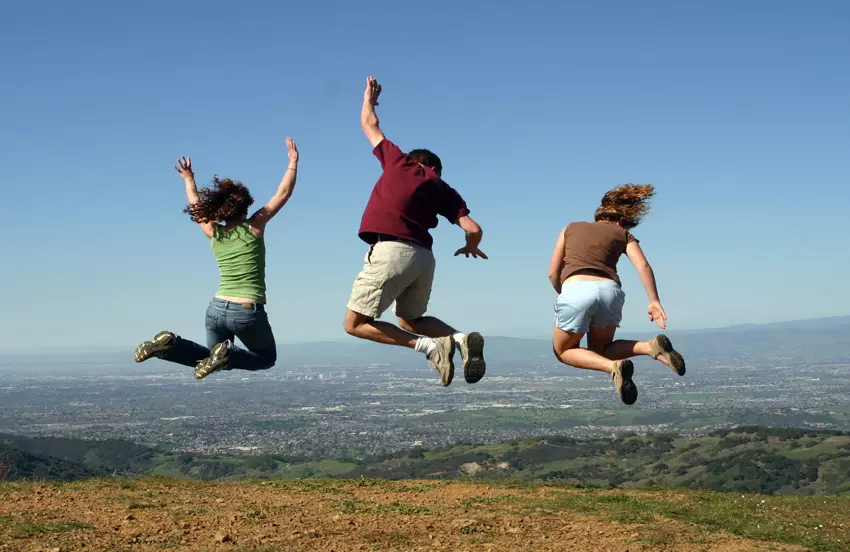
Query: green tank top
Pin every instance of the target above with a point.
(241, 260)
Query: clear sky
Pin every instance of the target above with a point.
(738, 113)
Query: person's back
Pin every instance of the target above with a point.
(408, 197)
(594, 249)
(241, 258)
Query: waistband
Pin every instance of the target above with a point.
(230, 305)
(593, 283)
(388, 238)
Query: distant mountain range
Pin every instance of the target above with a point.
(827, 339)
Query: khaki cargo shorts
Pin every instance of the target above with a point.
(397, 272)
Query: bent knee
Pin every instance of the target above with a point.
(407, 324)
(353, 321)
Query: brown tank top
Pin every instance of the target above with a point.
(595, 247)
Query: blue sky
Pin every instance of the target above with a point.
(738, 112)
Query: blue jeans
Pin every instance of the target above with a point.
(224, 322)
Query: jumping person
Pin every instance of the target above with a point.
(238, 309)
(399, 266)
(590, 301)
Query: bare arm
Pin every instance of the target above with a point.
(474, 234)
(184, 168)
(368, 118)
(557, 263)
(647, 278)
(259, 219)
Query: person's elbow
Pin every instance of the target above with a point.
(469, 226)
(643, 267)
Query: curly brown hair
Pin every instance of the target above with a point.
(626, 204)
(225, 201)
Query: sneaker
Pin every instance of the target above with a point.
(158, 346)
(440, 359)
(216, 361)
(662, 348)
(472, 352)
(622, 376)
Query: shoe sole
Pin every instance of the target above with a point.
(627, 390)
(152, 348)
(677, 361)
(474, 367)
(215, 362)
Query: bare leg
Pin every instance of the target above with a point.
(623, 348)
(370, 329)
(567, 350)
(427, 326)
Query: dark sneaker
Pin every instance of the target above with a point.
(158, 346)
(622, 376)
(472, 352)
(440, 359)
(217, 360)
(662, 348)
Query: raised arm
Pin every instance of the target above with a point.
(474, 234)
(557, 262)
(184, 168)
(262, 217)
(647, 278)
(368, 117)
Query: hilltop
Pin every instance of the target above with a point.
(367, 514)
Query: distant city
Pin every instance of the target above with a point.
(349, 400)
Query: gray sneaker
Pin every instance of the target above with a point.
(622, 376)
(472, 352)
(440, 359)
(158, 346)
(219, 356)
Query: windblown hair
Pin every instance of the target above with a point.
(626, 204)
(427, 158)
(226, 201)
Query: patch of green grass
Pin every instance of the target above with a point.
(29, 528)
(128, 485)
(132, 503)
(171, 542)
(347, 506)
(651, 541)
(371, 482)
(416, 488)
(350, 506)
(813, 522)
(255, 514)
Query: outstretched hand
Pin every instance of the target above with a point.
(467, 251)
(373, 90)
(184, 167)
(657, 314)
(292, 150)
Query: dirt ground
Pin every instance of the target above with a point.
(326, 516)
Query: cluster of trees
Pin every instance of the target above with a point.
(748, 459)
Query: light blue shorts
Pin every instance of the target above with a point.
(585, 305)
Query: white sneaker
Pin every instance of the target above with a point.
(440, 359)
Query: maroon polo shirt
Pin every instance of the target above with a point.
(407, 199)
